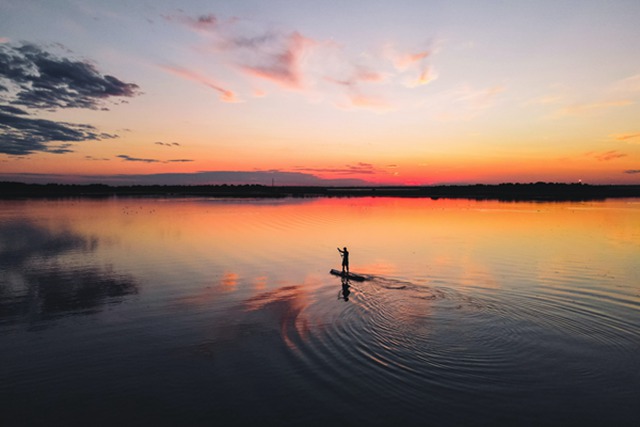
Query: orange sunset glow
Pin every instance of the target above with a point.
(362, 93)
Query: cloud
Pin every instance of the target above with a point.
(607, 155)
(33, 79)
(317, 69)
(628, 137)
(632, 171)
(367, 102)
(282, 66)
(44, 81)
(426, 76)
(137, 159)
(21, 135)
(142, 160)
(628, 85)
(357, 169)
(466, 103)
(261, 177)
(167, 144)
(226, 95)
(591, 108)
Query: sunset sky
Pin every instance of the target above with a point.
(310, 92)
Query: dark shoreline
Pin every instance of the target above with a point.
(508, 192)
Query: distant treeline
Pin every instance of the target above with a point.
(532, 191)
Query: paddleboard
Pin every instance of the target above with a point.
(350, 276)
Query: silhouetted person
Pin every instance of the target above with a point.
(345, 259)
(345, 289)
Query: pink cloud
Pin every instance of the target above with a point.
(226, 95)
(282, 67)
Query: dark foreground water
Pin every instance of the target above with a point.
(215, 312)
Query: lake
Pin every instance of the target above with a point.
(184, 311)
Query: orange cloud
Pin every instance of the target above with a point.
(403, 60)
(629, 137)
(373, 103)
(607, 155)
(226, 95)
(426, 76)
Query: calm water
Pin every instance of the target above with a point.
(222, 312)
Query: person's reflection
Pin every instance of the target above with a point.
(344, 294)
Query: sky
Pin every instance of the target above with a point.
(319, 93)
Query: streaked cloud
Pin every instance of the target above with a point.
(606, 155)
(21, 135)
(147, 160)
(359, 168)
(317, 69)
(261, 177)
(137, 159)
(284, 66)
(466, 102)
(592, 108)
(632, 171)
(226, 95)
(626, 137)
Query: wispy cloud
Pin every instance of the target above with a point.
(143, 160)
(412, 64)
(360, 168)
(628, 86)
(196, 178)
(626, 137)
(137, 159)
(466, 102)
(167, 144)
(284, 66)
(632, 171)
(317, 69)
(226, 95)
(606, 155)
(592, 108)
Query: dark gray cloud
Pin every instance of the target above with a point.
(137, 159)
(357, 169)
(21, 135)
(34, 79)
(196, 178)
(167, 144)
(632, 171)
(45, 81)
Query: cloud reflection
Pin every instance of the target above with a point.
(36, 284)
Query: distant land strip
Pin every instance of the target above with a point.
(533, 191)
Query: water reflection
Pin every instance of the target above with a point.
(344, 293)
(22, 241)
(513, 307)
(37, 283)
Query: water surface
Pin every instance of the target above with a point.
(209, 311)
